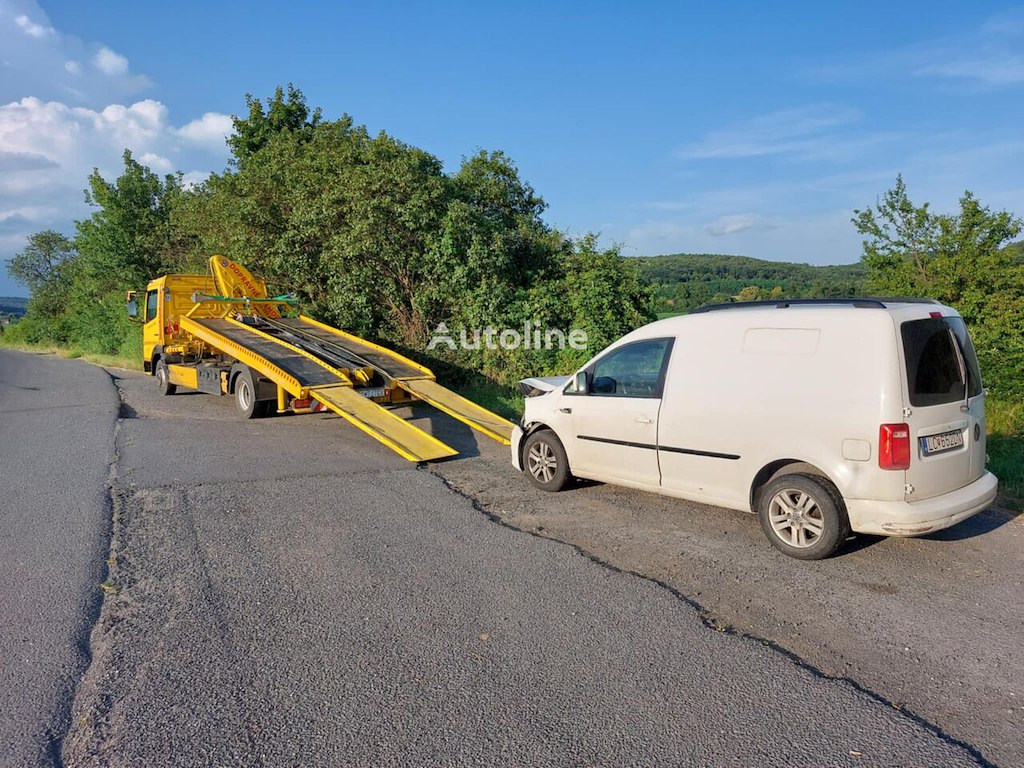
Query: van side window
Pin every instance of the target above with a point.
(939, 353)
(635, 370)
(151, 305)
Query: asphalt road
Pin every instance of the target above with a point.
(934, 625)
(57, 421)
(286, 592)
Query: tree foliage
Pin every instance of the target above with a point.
(962, 259)
(370, 232)
(283, 114)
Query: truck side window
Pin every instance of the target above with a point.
(151, 305)
(635, 370)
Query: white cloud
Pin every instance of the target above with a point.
(192, 179)
(110, 63)
(41, 61)
(792, 131)
(210, 130)
(737, 222)
(992, 68)
(48, 149)
(826, 237)
(32, 29)
(988, 55)
(155, 162)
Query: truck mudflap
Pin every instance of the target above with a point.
(403, 438)
(466, 411)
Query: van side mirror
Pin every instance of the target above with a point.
(133, 306)
(605, 385)
(581, 383)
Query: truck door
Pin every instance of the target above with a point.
(614, 426)
(152, 329)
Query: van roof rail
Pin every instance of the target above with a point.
(869, 302)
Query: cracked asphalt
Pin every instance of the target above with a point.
(287, 592)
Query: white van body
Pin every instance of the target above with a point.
(744, 393)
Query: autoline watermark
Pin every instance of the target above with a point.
(531, 336)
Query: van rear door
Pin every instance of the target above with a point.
(946, 406)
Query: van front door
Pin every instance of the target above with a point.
(615, 423)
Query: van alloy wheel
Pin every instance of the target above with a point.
(541, 462)
(803, 515)
(796, 518)
(545, 462)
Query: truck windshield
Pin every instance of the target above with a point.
(934, 349)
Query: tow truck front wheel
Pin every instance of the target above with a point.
(163, 379)
(245, 396)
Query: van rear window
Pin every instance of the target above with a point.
(941, 364)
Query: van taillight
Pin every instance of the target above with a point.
(894, 446)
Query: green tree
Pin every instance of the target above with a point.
(39, 264)
(960, 260)
(126, 242)
(283, 113)
(46, 268)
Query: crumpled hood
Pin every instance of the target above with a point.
(542, 385)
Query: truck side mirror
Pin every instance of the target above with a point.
(133, 306)
(581, 383)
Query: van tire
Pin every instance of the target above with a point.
(803, 516)
(163, 379)
(544, 461)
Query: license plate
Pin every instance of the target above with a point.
(371, 392)
(945, 441)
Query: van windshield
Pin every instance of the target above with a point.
(939, 355)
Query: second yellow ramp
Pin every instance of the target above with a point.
(466, 411)
(396, 433)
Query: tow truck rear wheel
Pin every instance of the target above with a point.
(245, 396)
(163, 379)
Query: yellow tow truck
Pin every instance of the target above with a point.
(222, 333)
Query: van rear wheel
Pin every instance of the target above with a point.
(545, 462)
(803, 516)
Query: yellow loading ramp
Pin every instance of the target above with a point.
(410, 376)
(396, 433)
(459, 407)
(406, 440)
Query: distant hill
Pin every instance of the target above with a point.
(13, 305)
(683, 281)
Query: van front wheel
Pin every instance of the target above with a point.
(545, 462)
(803, 516)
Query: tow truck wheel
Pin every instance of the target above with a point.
(163, 379)
(245, 396)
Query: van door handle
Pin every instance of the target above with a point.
(643, 420)
(565, 410)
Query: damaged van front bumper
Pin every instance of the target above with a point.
(916, 518)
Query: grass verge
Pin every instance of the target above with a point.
(109, 361)
(503, 400)
(1005, 422)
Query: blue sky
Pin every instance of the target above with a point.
(700, 127)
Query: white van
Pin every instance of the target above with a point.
(822, 416)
